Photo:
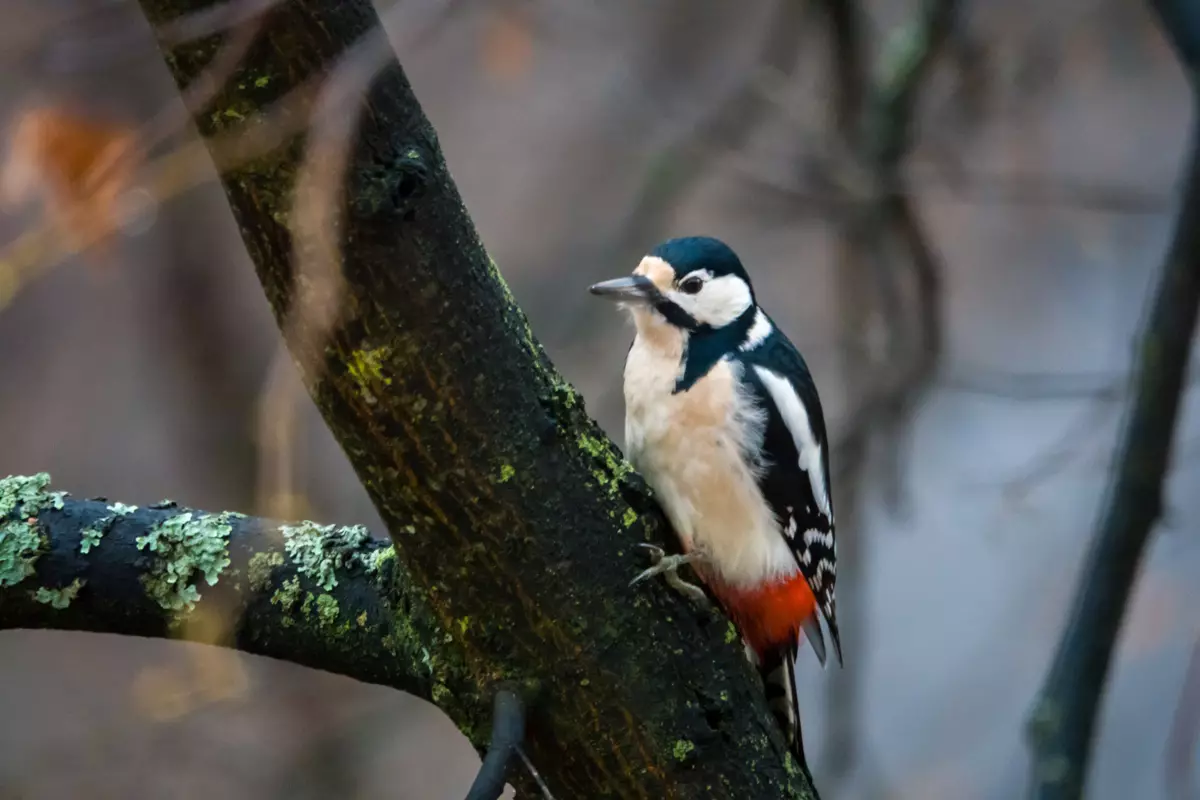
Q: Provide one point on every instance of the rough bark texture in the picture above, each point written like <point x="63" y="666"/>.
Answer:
<point x="1062" y="724"/>
<point x="326" y="597"/>
<point x="508" y="505"/>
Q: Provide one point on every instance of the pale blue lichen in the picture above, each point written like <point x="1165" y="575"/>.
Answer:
<point x="90" y="536"/>
<point x="186" y="544"/>
<point x="319" y="551"/>
<point x="59" y="599"/>
<point x="28" y="494"/>
<point x="22" y="497"/>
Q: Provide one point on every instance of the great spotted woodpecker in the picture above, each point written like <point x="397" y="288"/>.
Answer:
<point x="723" y="420"/>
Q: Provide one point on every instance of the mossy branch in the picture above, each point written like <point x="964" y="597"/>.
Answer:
<point x="326" y="597"/>
<point x="507" y="504"/>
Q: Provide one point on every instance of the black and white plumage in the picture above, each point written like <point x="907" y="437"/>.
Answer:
<point x="724" y="421"/>
<point x="796" y="449"/>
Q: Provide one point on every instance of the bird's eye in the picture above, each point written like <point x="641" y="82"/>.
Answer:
<point x="691" y="285"/>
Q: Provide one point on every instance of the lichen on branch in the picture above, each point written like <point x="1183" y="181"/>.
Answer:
<point x="341" y="602"/>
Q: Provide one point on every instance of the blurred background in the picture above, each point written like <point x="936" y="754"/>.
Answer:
<point x="1046" y="151"/>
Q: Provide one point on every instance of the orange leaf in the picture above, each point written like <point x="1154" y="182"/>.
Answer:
<point x="507" y="46"/>
<point x="80" y="168"/>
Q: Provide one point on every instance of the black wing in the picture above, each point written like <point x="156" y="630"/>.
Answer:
<point x="794" y="478"/>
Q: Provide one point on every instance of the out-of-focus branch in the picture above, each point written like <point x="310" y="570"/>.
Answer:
<point x="873" y="122"/>
<point x="725" y="128"/>
<point x="508" y="730"/>
<point x="885" y="224"/>
<point x="1062" y="722"/>
<point x="1185" y="733"/>
<point x="849" y="69"/>
<point x="817" y="191"/>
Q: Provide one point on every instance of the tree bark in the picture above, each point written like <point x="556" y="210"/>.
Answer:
<point x="513" y="513"/>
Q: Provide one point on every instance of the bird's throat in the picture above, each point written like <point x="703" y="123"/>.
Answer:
<point x="705" y="346"/>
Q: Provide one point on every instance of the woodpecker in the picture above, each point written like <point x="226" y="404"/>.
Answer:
<point x="723" y="420"/>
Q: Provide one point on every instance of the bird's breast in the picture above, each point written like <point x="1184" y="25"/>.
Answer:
<point x="692" y="449"/>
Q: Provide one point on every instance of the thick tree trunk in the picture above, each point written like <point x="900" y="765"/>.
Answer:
<point x="511" y="510"/>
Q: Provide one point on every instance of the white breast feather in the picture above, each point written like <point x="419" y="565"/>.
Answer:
<point x="691" y="449"/>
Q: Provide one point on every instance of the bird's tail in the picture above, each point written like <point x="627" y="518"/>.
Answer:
<point x="778" y="670"/>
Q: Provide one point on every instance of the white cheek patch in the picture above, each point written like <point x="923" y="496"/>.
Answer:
<point x="758" y="332"/>
<point x="720" y="302"/>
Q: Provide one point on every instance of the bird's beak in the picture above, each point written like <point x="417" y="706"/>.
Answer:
<point x="633" y="289"/>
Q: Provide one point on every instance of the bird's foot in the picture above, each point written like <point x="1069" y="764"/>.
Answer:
<point x="666" y="566"/>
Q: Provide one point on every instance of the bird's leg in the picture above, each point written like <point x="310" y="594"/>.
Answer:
<point x="666" y="566"/>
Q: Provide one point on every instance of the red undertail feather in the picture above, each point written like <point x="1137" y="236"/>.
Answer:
<point x="770" y="615"/>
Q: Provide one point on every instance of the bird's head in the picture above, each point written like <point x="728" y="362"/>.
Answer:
<point x="695" y="283"/>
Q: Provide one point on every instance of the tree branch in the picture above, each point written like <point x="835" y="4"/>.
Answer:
<point x="325" y="597"/>
<point x="508" y="730"/>
<point x="514" y="514"/>
<point x="1062" y="722"/>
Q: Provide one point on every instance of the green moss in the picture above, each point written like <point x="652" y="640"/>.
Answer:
<point x="361" y="619"/>
<point x="186" y="544"/>
<point x="59" y="598"/>
<point x="682" y="748"/>
<point x="612" y="468"/>
<point x="286" y="595"/>
<point x="506" y="473"/>
<point x="366" y="369"/>
<point x="319" y="551"/>
<point x="731" y="634"/>
<point x="22" y="498"/>
<point x="630" y="518"/>
<point x="327" y="609"/>
<point x="381" y="556"/>
<point x="259" y="570"/>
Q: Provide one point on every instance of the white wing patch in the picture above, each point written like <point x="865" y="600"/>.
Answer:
<point x="795" y="417"/>
<point x="812" y="536"/>
<point x="758" y="332"/>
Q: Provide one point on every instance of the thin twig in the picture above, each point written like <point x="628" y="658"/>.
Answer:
<point x="533" y="771"/>
<point x="508" y="731"/>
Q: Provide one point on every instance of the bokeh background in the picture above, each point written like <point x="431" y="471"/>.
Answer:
<point x="1045" y="170"/>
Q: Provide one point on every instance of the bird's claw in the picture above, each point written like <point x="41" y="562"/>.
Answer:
<point x="667" y="565"/>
